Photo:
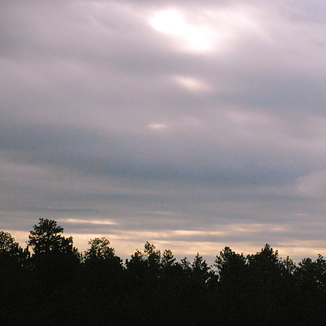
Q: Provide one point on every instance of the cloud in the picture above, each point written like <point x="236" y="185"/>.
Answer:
<point x="79" y="221"/>
<point x="192" y="84"/>
<point x="194" y="38"/>
<point x="157" y="126"/>
<point x="312" y="185"/>
<point x="213" y="112"/>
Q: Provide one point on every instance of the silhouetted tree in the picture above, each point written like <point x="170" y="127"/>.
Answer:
<point x="267" y="279"/>
<point x="168" y="259"/>
<point x="200" y="269"/>
<point x="230" y="296"/>
<point x="311" y="279"/>
<point x="46" y="238"/>
<point x="186" y="266"/>
<point x="10" y="250"/>
<point x="14" y="280"/>
<point x="101" y="285"/>
<point x="54" y="262"/>
<point x="137" y="265"/>
<point x="54" y="258"/>
<point x="58" y="285"/>
<point x="100" y="250"/>
<point x="7" y="242"/>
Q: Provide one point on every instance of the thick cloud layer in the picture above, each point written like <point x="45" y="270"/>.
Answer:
<point x="190" y="125"/>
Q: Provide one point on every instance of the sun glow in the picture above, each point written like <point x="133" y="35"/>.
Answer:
<point x="193" y="37"/>
<point x="207" y="31"/>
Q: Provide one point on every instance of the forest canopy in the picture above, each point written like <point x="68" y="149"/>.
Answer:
<point x="51" y="282"/>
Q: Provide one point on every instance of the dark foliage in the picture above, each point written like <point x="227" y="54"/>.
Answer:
<point x="55" y="284"/>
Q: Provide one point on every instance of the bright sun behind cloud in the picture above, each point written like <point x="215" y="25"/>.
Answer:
<point x="193" y="37"/>
<point x="208" y="30"/>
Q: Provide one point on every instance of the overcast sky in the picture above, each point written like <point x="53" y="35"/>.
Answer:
<point x="190" y="124"/>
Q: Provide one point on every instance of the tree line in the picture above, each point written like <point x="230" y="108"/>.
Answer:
<point x="50" y="283"/>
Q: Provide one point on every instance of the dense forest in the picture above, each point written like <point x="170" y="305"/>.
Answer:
<point x="50" y="283"/>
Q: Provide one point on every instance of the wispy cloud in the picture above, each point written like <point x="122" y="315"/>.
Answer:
<point x="88" y="221"/>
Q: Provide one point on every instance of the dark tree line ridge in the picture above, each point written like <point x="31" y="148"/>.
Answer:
<point x="50" y="283"/>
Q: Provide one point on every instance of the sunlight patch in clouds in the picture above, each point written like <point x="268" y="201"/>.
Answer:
<point x="192" y="84"/>
<point x="157" y="126"/>
<point x="173" y="23"/>
<point x="209" y="30"/>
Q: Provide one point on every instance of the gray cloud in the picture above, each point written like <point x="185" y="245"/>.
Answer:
<point x="105" y="118"/>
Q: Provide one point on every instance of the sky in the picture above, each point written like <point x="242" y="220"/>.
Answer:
<point x="191" y="125"/>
